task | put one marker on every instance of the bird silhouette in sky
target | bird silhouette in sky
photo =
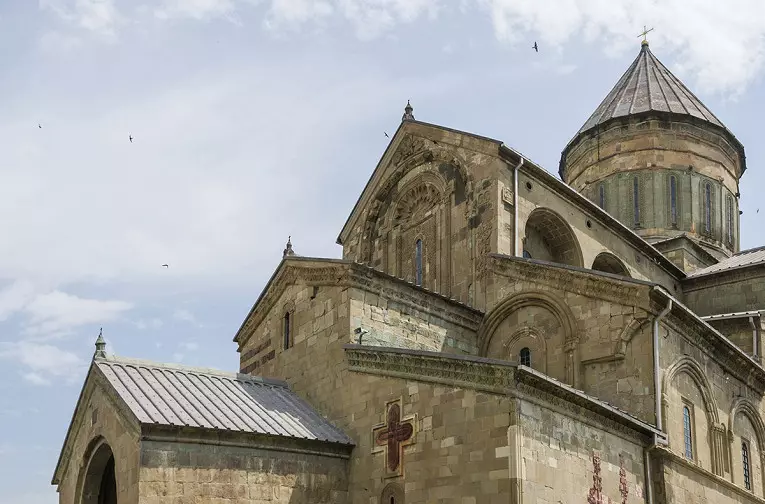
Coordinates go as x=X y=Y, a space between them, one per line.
x=386 y=134
x=535 y=47
x=39 y=125
x=130 y=137
x=165 y=265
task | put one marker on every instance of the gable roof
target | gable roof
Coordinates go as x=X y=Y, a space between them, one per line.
x=741 y=259
x=180 y=396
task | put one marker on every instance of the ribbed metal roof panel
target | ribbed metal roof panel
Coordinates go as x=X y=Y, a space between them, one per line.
x=743 y=258
x=648 y=85
x=164 y=394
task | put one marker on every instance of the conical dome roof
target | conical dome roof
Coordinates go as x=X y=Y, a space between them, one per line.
x=648 y=86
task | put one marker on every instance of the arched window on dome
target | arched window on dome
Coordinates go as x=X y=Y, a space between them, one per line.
x=673 y=200
x=729 y=219
x=636 y=202
x=602 y=196
x=708 y=207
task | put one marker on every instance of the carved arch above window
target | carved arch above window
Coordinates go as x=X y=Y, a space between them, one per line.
x=416 y=203
x=392 y=494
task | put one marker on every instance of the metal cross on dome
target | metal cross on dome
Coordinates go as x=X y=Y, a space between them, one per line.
x=645 y=34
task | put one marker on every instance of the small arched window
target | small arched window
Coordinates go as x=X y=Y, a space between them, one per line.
x=286 y=329
x=526 y=254
x=673 y=200
x=602 y=196
x=418 y=262
x=635 y=201
x=687 y=432
x=729 y=219
x=745 y=464
x=708 y=207
x=525 y=357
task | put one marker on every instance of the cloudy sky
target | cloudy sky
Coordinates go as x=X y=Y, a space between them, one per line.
x=258 y=119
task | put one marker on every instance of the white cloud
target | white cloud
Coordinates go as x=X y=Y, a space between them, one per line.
x=97 y=16
x=44 y=363
x=15 y=297
x=196 y=9
x=152 y=323
x=58 y=313
x=721 y=44
x=185 y=316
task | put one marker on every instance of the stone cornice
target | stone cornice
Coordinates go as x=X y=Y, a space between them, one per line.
x=710 y=341
x=668 y=456
x=494 y=376
x=202 y=436
x=593 y=284
x=336 y=272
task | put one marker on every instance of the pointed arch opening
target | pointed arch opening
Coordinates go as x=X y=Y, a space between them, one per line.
x=98 y=476
x=550 y=238
x=609 y=263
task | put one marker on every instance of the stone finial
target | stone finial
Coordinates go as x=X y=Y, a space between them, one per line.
x=408 y=116
x=100 y=346
x=288 y=250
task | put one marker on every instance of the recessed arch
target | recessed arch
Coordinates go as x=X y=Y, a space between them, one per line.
x=97 y=481
x=392 y=494
x=609 y=263
x=689 y=366
x=549 y=237
x=745 y=407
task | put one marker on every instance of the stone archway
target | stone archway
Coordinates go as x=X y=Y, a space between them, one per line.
x=609 y=263
x=97 y=481
x=550 y=238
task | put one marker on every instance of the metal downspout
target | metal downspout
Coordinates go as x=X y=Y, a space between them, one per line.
x=516 y=252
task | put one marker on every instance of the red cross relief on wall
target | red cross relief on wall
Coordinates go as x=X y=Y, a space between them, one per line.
x=393 y=435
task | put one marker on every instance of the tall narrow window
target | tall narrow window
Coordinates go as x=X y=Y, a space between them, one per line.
x=418 y=262
x=708 y=207
x=673 y=200
x=525 y=357
x=287 y=338
x=602 y=196
x=745 y=463
x=729 y=219
x=636 y=201
x=687 y=433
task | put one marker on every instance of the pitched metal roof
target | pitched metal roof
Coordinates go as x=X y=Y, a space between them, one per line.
x=648 y=85
x=170 y=395
x=744 y=258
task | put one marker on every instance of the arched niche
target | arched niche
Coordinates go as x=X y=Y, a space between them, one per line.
x=609 y=263
x=392 y=494
x=539 y=321
x=549 y=237
x=97 y=482
x=746 y=426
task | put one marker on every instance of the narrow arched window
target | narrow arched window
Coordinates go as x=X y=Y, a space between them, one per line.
x=708 y=207
x=687 y=432
x=745 y=463
x=602 y=196
x=525 y=357
x=729 y=219
x=673 y=200
x=636 y=201
x=418 y=262
x=526 y=254
x=286 y=329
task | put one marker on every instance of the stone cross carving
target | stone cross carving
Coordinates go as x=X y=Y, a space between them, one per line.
x=394 y=435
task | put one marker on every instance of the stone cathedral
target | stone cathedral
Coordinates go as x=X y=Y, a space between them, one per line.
x=492 y=334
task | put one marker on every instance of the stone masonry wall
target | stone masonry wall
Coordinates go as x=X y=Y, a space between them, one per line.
x=736 y=291
x=122 y=438
x=561 y=457
x=190 y=473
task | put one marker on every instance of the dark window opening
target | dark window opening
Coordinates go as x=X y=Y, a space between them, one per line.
x=745 y=462
x=526 y=254
x=708 y=208
x=636 y=201
x=287 y=338
x=602 y=196
x=525 y=357
x=730 y=220
x=418 y=263
x=673 y=200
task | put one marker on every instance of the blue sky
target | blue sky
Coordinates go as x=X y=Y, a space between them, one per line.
x=255 y=120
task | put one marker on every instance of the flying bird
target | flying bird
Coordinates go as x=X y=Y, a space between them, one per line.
x=535 y=46
x=386 y=135
x=165 y=265
x=39 y=125
x=130 y=137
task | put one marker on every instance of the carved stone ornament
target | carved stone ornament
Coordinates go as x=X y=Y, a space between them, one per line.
x=392 y=436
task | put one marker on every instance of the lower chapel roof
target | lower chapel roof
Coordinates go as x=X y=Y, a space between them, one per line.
x=741 y=259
